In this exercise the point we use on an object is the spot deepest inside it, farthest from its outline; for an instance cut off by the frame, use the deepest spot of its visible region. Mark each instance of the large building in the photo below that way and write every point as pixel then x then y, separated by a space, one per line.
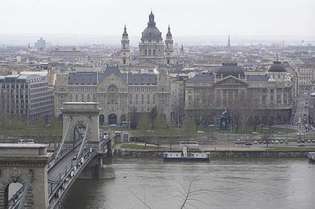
pixel 26 96
pixel 262 97
pixel 152 48
pixel 118 93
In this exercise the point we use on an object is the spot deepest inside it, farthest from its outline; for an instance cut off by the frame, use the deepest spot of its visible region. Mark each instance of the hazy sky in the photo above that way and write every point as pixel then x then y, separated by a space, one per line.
pixel 186 17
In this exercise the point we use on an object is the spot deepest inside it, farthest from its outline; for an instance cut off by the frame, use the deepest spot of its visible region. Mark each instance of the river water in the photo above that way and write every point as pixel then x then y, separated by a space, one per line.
pixel 240 184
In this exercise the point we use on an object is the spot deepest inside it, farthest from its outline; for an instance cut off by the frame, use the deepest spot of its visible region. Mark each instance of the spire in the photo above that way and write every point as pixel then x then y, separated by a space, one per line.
pixel 169 34
pixel 151 22
pixel 229 42
pixel 125 34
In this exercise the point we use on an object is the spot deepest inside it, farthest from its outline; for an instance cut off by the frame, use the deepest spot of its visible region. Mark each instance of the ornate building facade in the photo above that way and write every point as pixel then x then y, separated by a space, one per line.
pixel 118 93
pixel 264 98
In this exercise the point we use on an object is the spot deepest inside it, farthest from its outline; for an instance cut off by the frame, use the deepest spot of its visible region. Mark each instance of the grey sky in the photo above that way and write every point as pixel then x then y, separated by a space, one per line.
pixel 186 17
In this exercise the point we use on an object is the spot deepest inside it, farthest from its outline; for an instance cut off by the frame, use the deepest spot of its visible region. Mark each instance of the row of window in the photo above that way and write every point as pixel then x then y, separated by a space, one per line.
pixel 141 99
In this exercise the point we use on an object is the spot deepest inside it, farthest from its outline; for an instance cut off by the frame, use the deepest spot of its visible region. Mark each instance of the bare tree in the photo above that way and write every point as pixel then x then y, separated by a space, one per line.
pixel 188 196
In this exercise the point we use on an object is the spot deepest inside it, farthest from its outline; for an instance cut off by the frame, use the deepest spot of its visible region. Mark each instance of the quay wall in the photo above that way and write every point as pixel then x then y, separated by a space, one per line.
pixel 216 154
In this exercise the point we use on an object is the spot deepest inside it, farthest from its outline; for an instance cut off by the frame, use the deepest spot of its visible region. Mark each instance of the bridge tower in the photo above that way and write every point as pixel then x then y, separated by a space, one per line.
pixel 84 114
pixel 25 164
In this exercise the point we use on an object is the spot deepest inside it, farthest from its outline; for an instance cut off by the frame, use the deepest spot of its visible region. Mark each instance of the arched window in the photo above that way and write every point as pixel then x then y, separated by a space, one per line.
pixel 112 88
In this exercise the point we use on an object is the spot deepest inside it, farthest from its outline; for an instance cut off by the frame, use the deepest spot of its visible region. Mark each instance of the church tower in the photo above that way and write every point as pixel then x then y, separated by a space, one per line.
pixel 169 48
pixel 125 48
pixel 229 42
pixel 151 46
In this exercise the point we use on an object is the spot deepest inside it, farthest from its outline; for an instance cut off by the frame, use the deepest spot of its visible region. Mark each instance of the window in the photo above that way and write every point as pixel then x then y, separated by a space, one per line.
pixel 130 99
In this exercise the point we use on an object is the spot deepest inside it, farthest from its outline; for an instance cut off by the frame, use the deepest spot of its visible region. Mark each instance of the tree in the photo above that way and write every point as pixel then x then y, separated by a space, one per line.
pixel 187 196
pixel 153 115
pixel 144 122
pixel 160 122
pixel 133 117
pixel 189 125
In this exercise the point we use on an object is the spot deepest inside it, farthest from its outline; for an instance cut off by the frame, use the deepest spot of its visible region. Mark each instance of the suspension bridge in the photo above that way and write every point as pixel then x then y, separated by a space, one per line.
pixel 47 177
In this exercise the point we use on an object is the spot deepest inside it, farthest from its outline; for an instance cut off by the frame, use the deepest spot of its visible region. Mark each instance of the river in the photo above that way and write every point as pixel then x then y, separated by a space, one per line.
pixel 237 184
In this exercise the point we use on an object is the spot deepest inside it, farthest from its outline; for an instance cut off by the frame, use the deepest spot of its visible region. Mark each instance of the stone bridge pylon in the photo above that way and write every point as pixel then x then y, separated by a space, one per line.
pixel 25 164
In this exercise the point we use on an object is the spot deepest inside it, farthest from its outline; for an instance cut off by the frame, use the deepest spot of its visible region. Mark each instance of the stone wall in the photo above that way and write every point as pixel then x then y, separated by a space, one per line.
pixel 217 154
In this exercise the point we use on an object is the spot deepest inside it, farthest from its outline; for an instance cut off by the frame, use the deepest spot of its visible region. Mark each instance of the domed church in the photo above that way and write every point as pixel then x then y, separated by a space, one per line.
pixel 152 48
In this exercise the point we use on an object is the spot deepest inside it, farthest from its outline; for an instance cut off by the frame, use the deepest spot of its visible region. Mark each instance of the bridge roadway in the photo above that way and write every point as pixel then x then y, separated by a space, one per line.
pixel 67 170
pixel 64 174
pixel 55 173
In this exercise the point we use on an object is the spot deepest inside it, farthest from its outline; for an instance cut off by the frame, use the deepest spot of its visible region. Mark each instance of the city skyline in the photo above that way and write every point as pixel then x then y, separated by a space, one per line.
pixel 191 18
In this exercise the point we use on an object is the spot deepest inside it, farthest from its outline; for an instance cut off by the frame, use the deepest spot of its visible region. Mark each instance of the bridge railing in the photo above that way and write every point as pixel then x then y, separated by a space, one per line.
pixel 16 198
pixel 67 149
pixel 69 175
pixel 17 201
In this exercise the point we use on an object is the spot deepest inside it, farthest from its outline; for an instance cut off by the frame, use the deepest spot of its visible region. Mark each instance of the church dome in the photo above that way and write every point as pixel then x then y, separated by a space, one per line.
pixel 277 67
pixel 151 33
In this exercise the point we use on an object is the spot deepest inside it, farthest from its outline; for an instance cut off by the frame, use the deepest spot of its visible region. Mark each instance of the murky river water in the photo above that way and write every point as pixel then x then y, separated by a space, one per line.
pixel 267 184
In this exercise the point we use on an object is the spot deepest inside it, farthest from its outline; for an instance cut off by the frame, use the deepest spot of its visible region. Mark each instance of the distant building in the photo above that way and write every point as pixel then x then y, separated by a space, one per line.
pixel 229 42
pixel 266 97
pixel 306 78
pixel 26 96
pixel 40 44
pixel 152 48
pixel 71 55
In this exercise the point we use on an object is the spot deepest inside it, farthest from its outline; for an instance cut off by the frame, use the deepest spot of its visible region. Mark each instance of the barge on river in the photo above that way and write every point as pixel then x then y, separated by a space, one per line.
pixel 311 156
pixel 185 155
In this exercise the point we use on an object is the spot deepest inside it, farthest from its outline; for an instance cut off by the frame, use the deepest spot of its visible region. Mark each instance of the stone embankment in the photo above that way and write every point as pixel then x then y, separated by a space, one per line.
pixel 219 154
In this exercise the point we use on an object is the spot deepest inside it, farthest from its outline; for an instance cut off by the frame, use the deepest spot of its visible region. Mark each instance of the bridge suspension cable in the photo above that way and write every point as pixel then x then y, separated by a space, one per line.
pixel 55 157
pixel 83 141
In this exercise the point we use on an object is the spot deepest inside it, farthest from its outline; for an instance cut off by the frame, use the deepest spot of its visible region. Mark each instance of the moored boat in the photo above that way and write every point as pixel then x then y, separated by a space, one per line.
pixel 311 156
pixel 185 155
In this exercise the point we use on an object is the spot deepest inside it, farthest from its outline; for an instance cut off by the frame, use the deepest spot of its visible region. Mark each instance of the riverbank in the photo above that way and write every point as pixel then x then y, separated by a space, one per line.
pixel 220 154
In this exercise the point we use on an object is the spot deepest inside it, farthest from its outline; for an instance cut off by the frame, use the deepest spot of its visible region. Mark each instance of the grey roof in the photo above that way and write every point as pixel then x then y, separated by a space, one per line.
pixel 92 78
pixel 204 77
pixel 142 79
pixel 277 67
pixel 82 78
pixel 18 77
pixel 228 69
pixel 112 69
pixel 257 77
